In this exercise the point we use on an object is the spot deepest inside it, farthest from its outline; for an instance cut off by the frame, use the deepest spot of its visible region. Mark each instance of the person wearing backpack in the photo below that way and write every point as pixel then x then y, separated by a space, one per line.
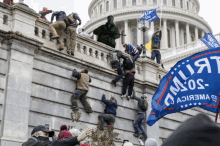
pixel 142 108
pixel 133 51
pixel 115 58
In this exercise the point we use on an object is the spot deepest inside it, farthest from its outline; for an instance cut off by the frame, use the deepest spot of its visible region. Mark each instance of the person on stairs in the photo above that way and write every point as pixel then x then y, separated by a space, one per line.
pixel 82 87
pixel 142 108
pixel 109 113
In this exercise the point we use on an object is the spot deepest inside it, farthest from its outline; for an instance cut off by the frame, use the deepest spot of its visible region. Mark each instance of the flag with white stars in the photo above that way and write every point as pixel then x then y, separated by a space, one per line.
pixel 210 41
pixel 193 81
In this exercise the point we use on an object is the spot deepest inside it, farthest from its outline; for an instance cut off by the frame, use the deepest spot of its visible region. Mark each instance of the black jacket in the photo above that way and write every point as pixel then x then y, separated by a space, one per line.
pixel 140 102
pixel 196 131
pixel 60 16
pixel 111 107
pixel 33 141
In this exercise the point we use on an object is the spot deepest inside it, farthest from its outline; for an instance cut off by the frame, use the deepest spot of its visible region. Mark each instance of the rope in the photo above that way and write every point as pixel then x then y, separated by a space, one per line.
pixel 161 12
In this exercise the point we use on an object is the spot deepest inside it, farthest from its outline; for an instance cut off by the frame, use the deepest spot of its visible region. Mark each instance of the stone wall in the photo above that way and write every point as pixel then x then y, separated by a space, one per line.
pixel 36 84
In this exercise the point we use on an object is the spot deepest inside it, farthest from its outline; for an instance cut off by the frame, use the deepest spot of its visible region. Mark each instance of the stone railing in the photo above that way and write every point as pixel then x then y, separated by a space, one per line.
pixel 197 45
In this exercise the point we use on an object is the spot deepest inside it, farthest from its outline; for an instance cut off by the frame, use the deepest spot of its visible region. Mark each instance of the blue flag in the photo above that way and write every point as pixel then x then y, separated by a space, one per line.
pixel 193 81
pixel 150 15
pixel 210 41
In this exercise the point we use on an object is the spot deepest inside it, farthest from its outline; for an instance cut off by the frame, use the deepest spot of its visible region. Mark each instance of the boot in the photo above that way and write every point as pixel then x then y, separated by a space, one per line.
pixel 55 37
pixel 114 83
pixel 89 111
pixel 123 96
pixel 136 134
pixel 128 97
pixel 74 108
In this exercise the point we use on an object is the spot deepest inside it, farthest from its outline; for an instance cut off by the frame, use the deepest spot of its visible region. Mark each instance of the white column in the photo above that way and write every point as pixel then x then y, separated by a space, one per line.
pixel 126 31
pixel 177 34
pixel 165 37
pixel 152 26
pixel 196 33
pixel 95 37
pixel 182 36
pixel 173 43
pixel 139 35
pixel 187 33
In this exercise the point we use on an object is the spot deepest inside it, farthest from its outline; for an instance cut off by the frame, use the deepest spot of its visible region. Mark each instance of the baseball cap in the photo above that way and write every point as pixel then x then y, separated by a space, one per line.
pixel 42 128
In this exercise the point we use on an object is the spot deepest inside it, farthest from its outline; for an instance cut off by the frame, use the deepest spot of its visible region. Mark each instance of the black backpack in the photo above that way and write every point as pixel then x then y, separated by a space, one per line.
pixel 128 64
pixel 143 105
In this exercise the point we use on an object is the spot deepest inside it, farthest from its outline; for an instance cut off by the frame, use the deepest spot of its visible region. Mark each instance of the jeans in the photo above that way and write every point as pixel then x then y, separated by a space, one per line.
pixel 120 74
pixel 108 118
pixel 157 55
pixel 138 123
pixel 135 58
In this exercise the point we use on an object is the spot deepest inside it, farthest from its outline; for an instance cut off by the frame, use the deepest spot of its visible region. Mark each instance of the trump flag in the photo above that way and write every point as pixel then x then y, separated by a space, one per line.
pixel 193 81
pixel 210 41
pixel 150 15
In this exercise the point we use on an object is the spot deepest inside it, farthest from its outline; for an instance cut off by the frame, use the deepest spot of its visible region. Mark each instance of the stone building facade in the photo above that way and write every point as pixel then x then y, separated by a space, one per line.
pixel 36 83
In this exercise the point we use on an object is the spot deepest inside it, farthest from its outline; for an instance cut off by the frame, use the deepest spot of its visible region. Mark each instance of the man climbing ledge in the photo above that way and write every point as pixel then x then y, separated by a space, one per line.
pixel 82 87
pixel 142 108
pixel 110 111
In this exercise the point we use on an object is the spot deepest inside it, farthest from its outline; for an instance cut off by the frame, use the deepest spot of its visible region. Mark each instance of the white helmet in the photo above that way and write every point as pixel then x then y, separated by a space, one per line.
pixel 128 144
pixel 74 132
pixel 151 142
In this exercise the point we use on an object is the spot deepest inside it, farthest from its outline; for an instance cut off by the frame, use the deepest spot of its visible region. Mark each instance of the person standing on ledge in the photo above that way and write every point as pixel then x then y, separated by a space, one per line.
pixel 82 87
pixel 9 2
pixel 107 33
pixel 155 46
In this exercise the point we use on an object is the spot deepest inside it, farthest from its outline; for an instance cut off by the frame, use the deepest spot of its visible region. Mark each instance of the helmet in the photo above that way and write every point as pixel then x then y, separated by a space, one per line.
pixel 151 142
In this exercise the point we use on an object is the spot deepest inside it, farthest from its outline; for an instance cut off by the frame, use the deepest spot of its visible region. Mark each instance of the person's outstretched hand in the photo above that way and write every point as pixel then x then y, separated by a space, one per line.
pixel 84 134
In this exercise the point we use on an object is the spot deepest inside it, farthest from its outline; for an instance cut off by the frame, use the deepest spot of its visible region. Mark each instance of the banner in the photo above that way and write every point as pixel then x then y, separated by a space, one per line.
pixel 210 41
pixel 150 15
pixel 148 46
pixel 193 81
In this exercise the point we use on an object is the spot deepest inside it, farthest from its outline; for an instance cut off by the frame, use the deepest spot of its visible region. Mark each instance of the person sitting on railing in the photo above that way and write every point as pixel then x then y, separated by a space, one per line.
pixel 155 46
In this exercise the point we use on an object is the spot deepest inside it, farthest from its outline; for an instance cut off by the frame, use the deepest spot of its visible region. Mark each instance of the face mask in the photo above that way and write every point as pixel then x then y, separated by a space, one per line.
pixel 43 138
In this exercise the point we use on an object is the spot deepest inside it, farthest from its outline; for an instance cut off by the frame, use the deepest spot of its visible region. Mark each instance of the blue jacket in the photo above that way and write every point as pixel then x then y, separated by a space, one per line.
pixel 111 107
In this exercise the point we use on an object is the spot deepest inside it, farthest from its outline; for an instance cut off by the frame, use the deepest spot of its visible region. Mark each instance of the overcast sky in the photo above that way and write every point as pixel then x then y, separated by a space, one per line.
pixel 209 11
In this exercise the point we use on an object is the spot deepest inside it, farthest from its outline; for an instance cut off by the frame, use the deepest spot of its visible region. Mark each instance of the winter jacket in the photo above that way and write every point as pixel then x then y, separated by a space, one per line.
pixel 111 107
pixel 140 102
pixel 64 133
pixel 129 49
pixel 33 141
pixel 60 16
pixel 199 130
pixel 155 41
pixel 83 80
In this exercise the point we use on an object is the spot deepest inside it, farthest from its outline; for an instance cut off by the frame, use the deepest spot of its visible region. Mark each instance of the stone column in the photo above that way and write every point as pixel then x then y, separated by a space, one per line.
pixel 152 26
pixel 202 33
pixel 173 43
pixel 139 40
pixel 126 31
pixel 95 37
pixel 17 95
pixel 165 37
pixel 182 36
pixel 177 34
pixel 196 33
pixel 187 33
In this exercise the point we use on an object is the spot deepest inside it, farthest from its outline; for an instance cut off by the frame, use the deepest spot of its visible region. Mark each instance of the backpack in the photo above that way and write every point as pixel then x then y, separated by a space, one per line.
pixel 113 57
pixel 128 64
pixel 143 105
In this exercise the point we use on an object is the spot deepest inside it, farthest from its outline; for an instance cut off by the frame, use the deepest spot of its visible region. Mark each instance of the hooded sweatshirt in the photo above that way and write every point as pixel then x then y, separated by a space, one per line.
pixel 197 131
pixel 64 133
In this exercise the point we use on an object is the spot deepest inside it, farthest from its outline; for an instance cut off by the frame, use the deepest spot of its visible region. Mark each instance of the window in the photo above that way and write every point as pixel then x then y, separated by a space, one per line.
pixel 43 34
pixel 133 2
pixel 122 36
pixel 134 37
pixel 5 19
pixel 124 3
pixel 154 2
pixel 115 4
pixel 107 6
pixel 181 3
pixel 36 31
pixel 173 3
pixel 144 2
pixel 164 2
pixel 101 9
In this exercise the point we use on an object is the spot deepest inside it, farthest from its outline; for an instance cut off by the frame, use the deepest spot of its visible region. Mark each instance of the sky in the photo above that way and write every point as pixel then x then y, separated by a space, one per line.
pixel 207 9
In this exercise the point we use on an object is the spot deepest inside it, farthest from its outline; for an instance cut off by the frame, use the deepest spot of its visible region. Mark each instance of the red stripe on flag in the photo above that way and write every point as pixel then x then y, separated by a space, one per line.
pixel 205 54
pixel 164 90
pixel 210 105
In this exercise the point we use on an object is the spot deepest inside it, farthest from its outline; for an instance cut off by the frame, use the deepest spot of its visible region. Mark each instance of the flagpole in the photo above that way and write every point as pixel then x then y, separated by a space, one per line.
pixel 216 117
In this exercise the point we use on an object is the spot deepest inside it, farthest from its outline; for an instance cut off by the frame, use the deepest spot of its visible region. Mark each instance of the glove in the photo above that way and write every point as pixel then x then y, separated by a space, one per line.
pixel 79 23
pixel 84 134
